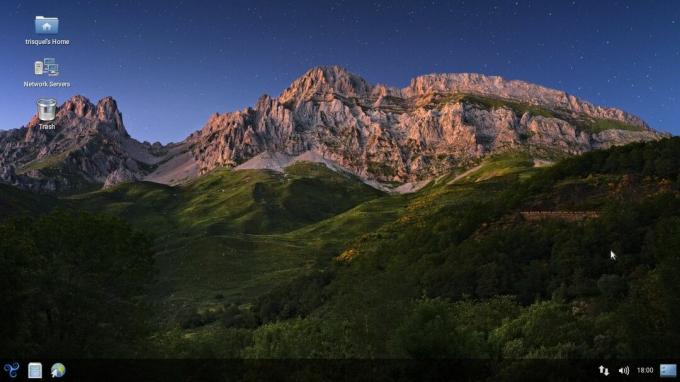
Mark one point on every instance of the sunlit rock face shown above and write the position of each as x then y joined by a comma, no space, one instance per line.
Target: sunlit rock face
438,122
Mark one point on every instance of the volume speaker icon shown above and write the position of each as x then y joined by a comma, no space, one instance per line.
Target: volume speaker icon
624,370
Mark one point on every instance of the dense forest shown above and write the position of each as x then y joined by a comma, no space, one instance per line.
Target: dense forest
74,286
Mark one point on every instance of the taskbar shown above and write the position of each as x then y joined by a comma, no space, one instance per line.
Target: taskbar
376,370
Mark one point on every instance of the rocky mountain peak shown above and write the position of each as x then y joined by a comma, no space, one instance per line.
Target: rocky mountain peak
514,90
85,145
79,114
79,105
386,134
107,109
110,117
324,80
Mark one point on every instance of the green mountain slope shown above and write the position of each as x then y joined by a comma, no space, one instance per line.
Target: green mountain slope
224,201
231,236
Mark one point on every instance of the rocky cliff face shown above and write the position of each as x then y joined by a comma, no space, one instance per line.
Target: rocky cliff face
89,148
438,122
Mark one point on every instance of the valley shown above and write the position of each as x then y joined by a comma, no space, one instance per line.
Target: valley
264,264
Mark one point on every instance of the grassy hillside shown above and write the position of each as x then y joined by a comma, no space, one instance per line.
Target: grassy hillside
231,236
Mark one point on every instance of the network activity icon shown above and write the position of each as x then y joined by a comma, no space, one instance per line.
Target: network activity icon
603,370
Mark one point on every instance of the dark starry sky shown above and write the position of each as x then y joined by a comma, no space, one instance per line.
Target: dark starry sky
170,64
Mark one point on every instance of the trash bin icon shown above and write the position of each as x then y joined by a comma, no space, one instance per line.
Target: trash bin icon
47,109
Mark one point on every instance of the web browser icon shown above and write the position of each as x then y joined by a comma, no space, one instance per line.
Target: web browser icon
46,25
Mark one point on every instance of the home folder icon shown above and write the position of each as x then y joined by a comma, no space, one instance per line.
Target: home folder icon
46,25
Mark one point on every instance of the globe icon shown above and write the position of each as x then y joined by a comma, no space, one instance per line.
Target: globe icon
58,370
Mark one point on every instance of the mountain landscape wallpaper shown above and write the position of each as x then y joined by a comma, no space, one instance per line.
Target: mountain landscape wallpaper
494,185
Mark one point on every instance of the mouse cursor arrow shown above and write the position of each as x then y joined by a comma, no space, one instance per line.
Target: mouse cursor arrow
612,255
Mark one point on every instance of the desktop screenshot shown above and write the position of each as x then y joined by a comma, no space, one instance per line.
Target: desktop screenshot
339,190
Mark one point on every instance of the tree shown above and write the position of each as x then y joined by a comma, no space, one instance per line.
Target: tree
433,330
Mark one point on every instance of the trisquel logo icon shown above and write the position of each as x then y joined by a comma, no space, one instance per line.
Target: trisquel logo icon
11,369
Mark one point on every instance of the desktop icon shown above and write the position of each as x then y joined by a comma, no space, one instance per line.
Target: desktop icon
35,370
58,370
47,109
12,369
46,25
47,66
668,370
